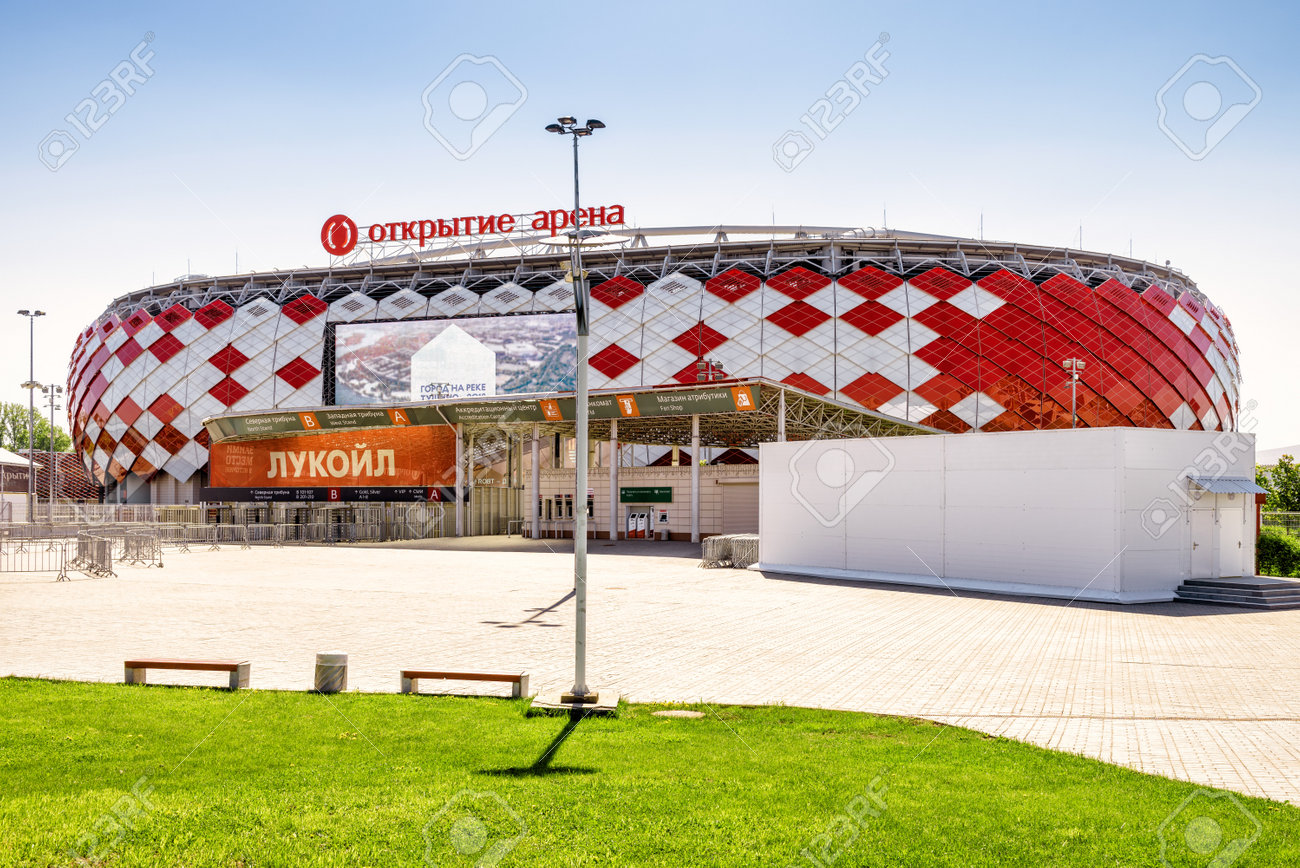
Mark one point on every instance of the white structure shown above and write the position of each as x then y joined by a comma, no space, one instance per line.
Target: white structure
1109,514
453,365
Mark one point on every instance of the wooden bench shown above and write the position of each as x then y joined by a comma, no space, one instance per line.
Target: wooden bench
238,669
518,681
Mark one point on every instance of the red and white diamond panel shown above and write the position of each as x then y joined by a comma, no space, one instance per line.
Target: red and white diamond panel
141,387
938,349
935,348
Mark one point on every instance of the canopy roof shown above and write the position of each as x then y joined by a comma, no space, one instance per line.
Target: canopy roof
733,413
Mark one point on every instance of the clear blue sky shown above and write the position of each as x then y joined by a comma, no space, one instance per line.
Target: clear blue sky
262,119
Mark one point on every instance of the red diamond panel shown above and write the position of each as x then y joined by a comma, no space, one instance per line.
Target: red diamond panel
304,308
613,360
798,283
700,339
798,317
228,359
133,440
214,313
170,439
951,322
172,317
872,390
166,408
870,283
143,469
135,322
202,438
298,373
1159,299
871,317
946,421
807,383
128,411
733,284
943,391
129,351
106,326
941,283
116,470
228,391
166,347
1013,288
617,292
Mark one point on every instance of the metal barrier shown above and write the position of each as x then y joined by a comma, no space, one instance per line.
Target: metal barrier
94,556
142,548
34,556
738,550
181,527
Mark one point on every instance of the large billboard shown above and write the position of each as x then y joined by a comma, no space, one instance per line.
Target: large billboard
475,357
377,463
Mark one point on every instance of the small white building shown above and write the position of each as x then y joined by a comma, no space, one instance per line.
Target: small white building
14,471
1108,514
453,365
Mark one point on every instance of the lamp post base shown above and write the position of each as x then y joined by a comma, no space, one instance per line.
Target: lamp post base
592,702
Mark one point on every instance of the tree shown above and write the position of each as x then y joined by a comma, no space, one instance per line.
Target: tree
13,429
1283,483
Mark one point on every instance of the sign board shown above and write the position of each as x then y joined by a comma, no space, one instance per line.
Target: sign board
651,403
342,494
340,234
646,494
406,457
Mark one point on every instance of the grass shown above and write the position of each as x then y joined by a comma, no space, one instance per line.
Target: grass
184,776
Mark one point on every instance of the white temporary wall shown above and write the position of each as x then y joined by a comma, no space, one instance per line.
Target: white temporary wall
1098,514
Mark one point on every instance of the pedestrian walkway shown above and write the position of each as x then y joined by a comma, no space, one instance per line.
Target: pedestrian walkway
1195,692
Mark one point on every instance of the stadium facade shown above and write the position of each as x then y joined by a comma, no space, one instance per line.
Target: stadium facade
943,333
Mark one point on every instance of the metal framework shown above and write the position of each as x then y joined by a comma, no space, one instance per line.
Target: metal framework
703,252
807,417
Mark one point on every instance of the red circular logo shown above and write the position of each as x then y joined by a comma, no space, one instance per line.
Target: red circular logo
339,235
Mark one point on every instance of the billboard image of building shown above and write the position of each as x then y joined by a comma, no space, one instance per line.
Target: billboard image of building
951,334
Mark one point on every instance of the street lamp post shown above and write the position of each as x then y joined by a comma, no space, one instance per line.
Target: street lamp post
53,393
569,127
1074,366
31,386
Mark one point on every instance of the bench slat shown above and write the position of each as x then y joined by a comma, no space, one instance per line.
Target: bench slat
190,665
461,676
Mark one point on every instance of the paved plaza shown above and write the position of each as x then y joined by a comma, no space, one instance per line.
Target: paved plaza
1200,693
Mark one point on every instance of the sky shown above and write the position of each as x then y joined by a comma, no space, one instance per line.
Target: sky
255,122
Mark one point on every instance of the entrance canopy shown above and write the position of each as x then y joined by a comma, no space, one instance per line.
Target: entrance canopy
732,413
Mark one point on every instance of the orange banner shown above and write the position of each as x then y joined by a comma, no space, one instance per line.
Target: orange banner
423,455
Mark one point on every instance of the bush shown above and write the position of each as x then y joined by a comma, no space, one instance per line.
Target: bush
1277,553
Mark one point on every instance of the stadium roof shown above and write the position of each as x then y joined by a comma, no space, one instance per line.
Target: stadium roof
534,260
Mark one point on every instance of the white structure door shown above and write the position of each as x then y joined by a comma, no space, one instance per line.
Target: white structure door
1231,526
1203,540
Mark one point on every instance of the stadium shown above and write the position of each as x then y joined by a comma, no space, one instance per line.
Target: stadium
906,332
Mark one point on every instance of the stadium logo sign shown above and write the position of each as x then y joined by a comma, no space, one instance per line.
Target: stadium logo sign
339,235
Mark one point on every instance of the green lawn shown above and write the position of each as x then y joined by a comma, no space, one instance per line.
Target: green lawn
181,776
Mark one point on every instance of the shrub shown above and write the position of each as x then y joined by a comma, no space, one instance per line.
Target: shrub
1277,553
